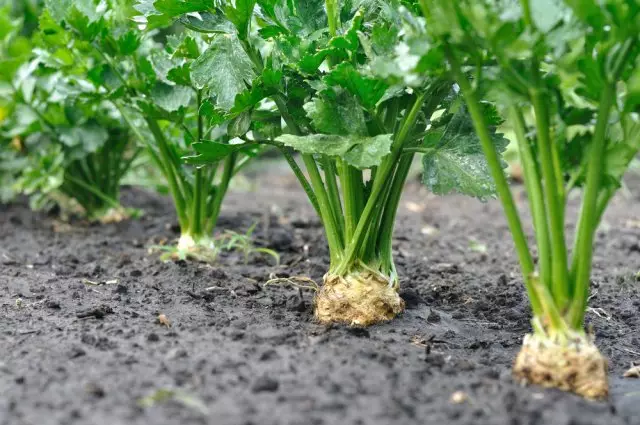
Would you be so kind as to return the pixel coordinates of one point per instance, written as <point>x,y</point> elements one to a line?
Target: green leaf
<point>311,14</point>
<point>546,14</point>
<point>58,8</point>
<point>454,161</point>
<point>341,114</point>
<point>368,90</point>
<point>207,22</point>
<point>171,98</point>
<point>128,43</point>
<point>214,116</point>
<point>359,151</point>
<point>210,152</point>
<point>239,125</point>
<point>183,47</point>
<point>224,68</point>
<point>370,153</point>
<point>180,7</point>
<point>52,33</point>
<point>180,75</point>
<point>90,136</point>
<point>240,16</point>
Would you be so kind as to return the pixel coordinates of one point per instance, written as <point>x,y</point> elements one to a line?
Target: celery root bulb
<point>199,249</point>
<point>359,298</point>
<point>575,366</point>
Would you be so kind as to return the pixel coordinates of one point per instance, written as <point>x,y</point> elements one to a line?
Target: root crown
<point>358,299</point>
<point>576,366</point>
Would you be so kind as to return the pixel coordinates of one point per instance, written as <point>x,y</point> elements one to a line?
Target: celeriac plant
<point>566,73</point>
<point>332,73</point>
<point>14,50</point>
<point>70,153</point>
<point>151,86</point>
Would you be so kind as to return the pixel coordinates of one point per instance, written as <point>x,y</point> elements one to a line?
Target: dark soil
<point>75,352</point>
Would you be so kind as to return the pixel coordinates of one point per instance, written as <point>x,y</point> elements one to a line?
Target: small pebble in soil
<point>76,352</point>
<point>268,354</point>
<point>359,332</point>
<point>98,312</point>
<point>433,317</point>
<point>265,384</point>
<point>153,337</point>
<point>95,390</point>
<point>55,305</point>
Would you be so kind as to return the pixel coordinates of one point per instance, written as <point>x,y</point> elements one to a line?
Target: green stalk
<point>302,179</point>
<point>196,206</point>
<point>171,175</point>
<point>334,194</point>
<point>110,201</point>
<point>369,248</point>
<point>560,276</point>
<point>589,211</point>
<point>324,205</point>
<point>332,16</point>
<point>351,196</point>
<point>383,174</point>
<point>326,213</point>
<point>385,237</point>
<point>536,196</point>
<point>502,186</point>
<point>221,191</point>
<point>198,189</point>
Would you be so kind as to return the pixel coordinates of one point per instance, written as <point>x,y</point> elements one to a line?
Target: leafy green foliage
<point>361,152</point>
<point>565,72</point>
<point>55,147</point>
<point>172,95</point>
<point>224,68</point>
<point>454,160</point>
<point>331,82</point>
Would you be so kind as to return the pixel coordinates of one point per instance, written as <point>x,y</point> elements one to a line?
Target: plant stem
<point>171,173</point>
<point>502,186</point>
<point>536,197</point>
<point>385,237</point>
<point>560,277</point>
<point>332,16</point>
<point>302,179</point>
<point>326,213</point>
<point>329,168</point>
<point>589,211</point>
<point>198,186</point>
<point>221,191</point>
<point>350,194</point>
<point>382,176</point>
<point>110,201</point>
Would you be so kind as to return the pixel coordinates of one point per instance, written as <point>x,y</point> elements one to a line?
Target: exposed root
<point>114,215</point>
<point>203,250</point>
<point>300,282</point>
<point>359,299</point>
<point>575,365</point>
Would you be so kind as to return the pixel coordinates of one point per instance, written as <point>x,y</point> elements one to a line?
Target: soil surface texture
<point>81,341</point>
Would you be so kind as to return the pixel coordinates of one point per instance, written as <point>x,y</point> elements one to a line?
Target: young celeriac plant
<point>70,153</point>
<point>333,73</point>
<point>152,87</point>
<point>574,67</point>
<point>14,50</point>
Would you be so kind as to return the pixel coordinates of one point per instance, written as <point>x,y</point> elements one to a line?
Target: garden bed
<point>81,342</point>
